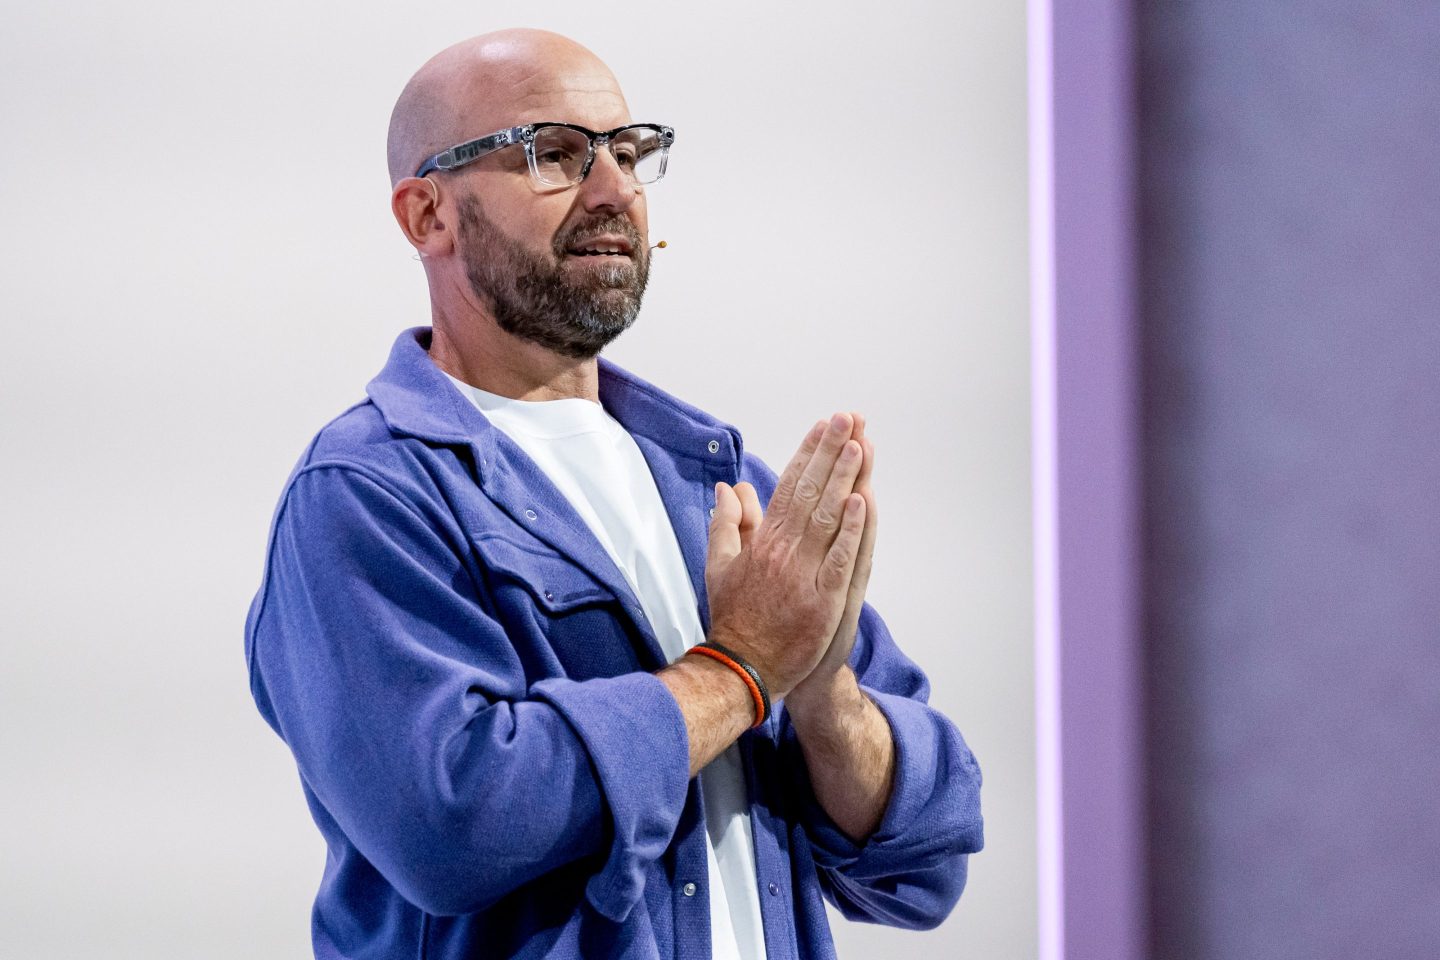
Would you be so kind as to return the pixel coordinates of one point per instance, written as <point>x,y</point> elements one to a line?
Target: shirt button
<point>529,514</point>
<point>774,889</point>
<point>689,889</point>
<point>714,446</point>
<point>549,595</point>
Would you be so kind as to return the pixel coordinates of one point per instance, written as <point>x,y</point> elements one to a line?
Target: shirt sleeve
<point>405,706</point>
<point>911,871</point>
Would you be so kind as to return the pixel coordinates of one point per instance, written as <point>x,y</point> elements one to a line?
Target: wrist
<point>752,653</point>
<point>743,670</point>
<point>716,706</point>
<point>824,693</point>
<point>702,679</point>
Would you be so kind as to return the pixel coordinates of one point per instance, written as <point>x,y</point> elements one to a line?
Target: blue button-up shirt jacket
<point>467,683</point>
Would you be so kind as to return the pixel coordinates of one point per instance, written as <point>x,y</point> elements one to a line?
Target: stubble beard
<point>536,299</point>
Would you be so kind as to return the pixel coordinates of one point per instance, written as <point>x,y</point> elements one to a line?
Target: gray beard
<point>534,298</point>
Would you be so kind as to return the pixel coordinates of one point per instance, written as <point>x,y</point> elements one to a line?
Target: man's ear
<point>415,201</point>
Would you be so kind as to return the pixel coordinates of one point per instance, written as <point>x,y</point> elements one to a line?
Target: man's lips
<point>601,245</point>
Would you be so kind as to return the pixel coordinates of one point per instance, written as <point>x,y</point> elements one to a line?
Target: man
<point>487,583</point>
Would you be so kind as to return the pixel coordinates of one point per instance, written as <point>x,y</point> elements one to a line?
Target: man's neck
<point>481,354</point>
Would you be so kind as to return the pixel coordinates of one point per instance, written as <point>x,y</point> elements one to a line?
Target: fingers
<point>811,485</point>
<point>868,462</point>
<point>751,515</point>
<point>864,488</point>
<point>826,517</point>
<point>872,515</point>
<point>864,554</point>
<point>725,540</point>
<point>859,419</point>
<point>839,563</point>
<point>785,487</point>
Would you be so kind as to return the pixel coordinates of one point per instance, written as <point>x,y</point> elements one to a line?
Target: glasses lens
<point>641,153</point>
<point>560,154</point>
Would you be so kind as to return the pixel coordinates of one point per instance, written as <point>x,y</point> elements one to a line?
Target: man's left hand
<point>822,678</point>
<point>847,742</point>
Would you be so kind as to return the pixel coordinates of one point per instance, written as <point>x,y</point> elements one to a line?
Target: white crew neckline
<point>543,419</point>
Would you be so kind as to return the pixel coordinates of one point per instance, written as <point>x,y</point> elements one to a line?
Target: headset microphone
<point>659,246</point>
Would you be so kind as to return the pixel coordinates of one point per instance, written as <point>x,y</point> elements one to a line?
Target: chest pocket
<point>562,621</point>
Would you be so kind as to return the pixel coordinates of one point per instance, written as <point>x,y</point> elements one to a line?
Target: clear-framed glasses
<point>561,154</point>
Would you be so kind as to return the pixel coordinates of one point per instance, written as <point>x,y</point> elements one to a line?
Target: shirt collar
<point>416,399</point>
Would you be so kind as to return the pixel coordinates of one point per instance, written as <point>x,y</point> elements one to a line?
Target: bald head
<point>488,83</point>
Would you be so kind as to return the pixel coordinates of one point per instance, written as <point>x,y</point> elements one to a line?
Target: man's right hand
<point>778,579</point>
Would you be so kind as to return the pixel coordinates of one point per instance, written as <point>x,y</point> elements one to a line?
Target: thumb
<point>724,526</point>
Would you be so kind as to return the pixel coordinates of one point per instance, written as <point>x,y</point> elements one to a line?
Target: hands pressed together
<point>786,587</point>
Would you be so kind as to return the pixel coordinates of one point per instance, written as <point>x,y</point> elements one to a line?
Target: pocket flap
<point>554,581</point>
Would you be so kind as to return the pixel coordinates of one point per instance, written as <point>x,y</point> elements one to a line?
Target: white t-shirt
<point>596,464</point>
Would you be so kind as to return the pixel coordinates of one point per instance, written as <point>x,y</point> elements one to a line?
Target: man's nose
<point>606,187</point>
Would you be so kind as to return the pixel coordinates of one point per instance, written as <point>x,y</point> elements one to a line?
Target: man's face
<point>562,268</point>
<point>561,298</point>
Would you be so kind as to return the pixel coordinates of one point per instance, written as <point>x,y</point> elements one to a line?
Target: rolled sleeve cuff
<point>933,810</point>
<point>635,735</point>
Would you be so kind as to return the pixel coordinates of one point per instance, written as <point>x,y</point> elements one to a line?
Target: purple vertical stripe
<point>1049,786</point>
<point>1087,503</point>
